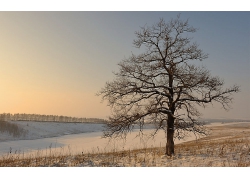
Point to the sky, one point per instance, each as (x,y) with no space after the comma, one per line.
(55,62)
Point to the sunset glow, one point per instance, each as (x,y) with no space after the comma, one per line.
(56,62)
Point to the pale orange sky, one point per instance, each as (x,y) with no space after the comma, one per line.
(55,62)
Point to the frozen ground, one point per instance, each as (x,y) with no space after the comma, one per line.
(44,135)
(38,130)
(227,145)
(73,138)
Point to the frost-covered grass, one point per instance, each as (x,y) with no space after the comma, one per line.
(227,145)
(229,153)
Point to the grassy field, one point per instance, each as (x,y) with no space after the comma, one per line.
(226,146)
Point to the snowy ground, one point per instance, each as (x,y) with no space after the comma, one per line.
(38,130)
(73,138)
(227,145)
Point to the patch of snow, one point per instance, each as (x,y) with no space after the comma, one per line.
(44,137)
(74,138)
(39,130)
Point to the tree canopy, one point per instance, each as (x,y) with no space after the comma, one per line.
(164,85)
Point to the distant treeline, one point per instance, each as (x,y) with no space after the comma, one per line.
(52,118)
(208,121)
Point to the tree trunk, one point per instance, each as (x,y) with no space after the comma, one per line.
(170,137)
(170,142)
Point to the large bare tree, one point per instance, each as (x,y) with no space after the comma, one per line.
(164,85)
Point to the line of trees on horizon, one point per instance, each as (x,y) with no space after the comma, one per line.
(49,118)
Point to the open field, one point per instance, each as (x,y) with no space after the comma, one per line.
(227,145)
(28,130)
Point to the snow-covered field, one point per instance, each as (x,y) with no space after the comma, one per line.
(38,130)
(41,137)
(227,145)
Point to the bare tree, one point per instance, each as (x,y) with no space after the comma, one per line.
(164,85)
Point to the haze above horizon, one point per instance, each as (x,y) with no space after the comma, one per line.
(55,62)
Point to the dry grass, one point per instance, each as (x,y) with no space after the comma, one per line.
(11,129)
(233,150)
(198,153)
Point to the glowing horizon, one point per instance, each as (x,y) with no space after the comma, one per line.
(55,62)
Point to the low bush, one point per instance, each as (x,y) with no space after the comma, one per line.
(12,129)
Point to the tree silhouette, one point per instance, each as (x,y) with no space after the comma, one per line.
(164,85)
